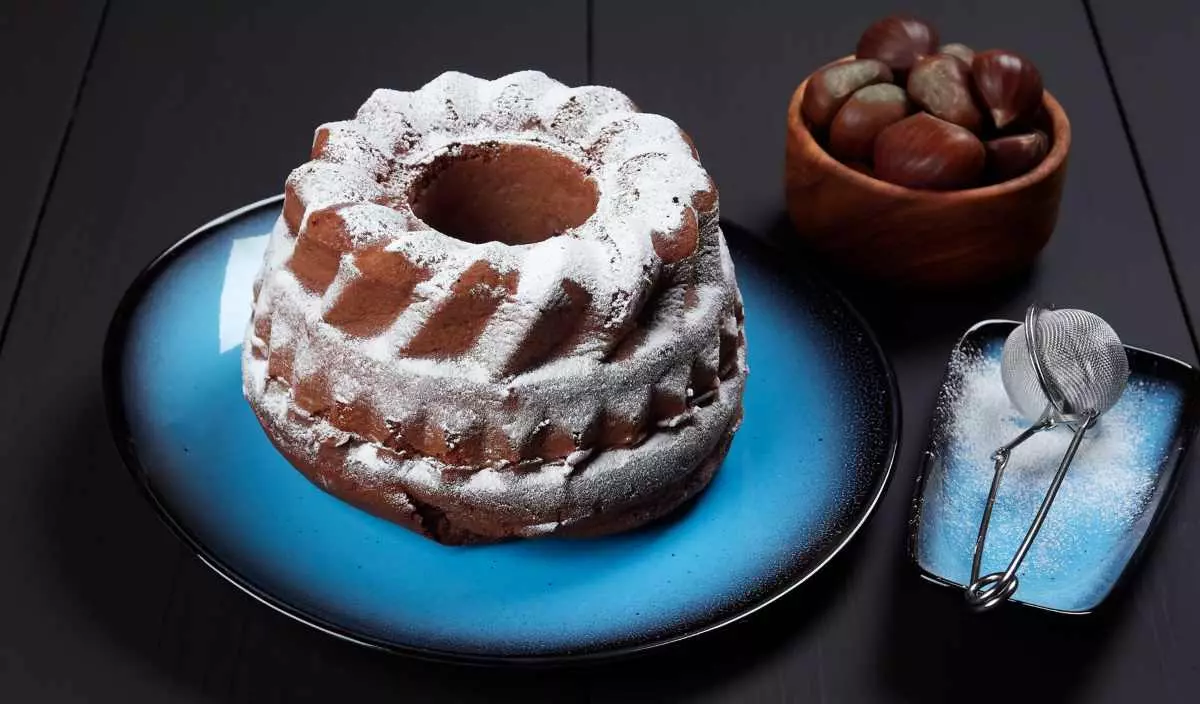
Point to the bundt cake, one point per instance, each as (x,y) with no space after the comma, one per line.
(500,308)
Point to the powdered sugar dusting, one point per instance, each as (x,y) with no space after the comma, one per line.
(644,168)
(568,492)
(647,178)
(1111,473)
(1104,492)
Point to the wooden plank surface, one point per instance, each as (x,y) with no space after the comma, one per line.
(191,111)
(1151,48)
(869,630)
(44,49)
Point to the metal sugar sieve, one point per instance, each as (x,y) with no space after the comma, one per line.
(1060,367)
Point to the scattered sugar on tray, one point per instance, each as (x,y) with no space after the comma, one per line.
(1104,490)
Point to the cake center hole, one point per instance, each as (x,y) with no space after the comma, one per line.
(510,193)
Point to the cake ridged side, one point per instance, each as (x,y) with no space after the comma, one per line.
(372,328)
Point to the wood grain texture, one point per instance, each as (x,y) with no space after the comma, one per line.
(189,112)
(926,239)
(44,48)
(193,111)
(867,629)
(1151,50)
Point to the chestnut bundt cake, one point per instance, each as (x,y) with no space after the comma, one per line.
(500,308)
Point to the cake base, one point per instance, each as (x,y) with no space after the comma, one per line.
(445,519)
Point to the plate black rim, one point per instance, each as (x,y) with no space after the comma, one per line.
(114,406)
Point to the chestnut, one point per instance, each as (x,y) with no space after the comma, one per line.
(1009,85)
(962,51)
(1009,157)
(832,86)
(897,41)
(854,128)
(923,151)
(941,84)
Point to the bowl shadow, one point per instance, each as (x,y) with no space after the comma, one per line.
(902,317)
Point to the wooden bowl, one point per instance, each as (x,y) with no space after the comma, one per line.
(927,239)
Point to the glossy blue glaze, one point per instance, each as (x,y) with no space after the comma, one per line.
(805,469)
(1090,536)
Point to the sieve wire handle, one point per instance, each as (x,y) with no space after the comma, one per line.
(991,590)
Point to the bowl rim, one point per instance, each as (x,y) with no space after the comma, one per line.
(801,135)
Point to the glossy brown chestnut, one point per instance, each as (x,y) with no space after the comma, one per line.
(941,84)
(833,85)
(923,151)
(962,51)
(1009,157)
(863,117)
(1009,85)
(897,41)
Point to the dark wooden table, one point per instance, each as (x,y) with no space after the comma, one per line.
(129,123)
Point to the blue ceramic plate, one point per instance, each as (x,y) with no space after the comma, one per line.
(1114,493)
(804,472)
